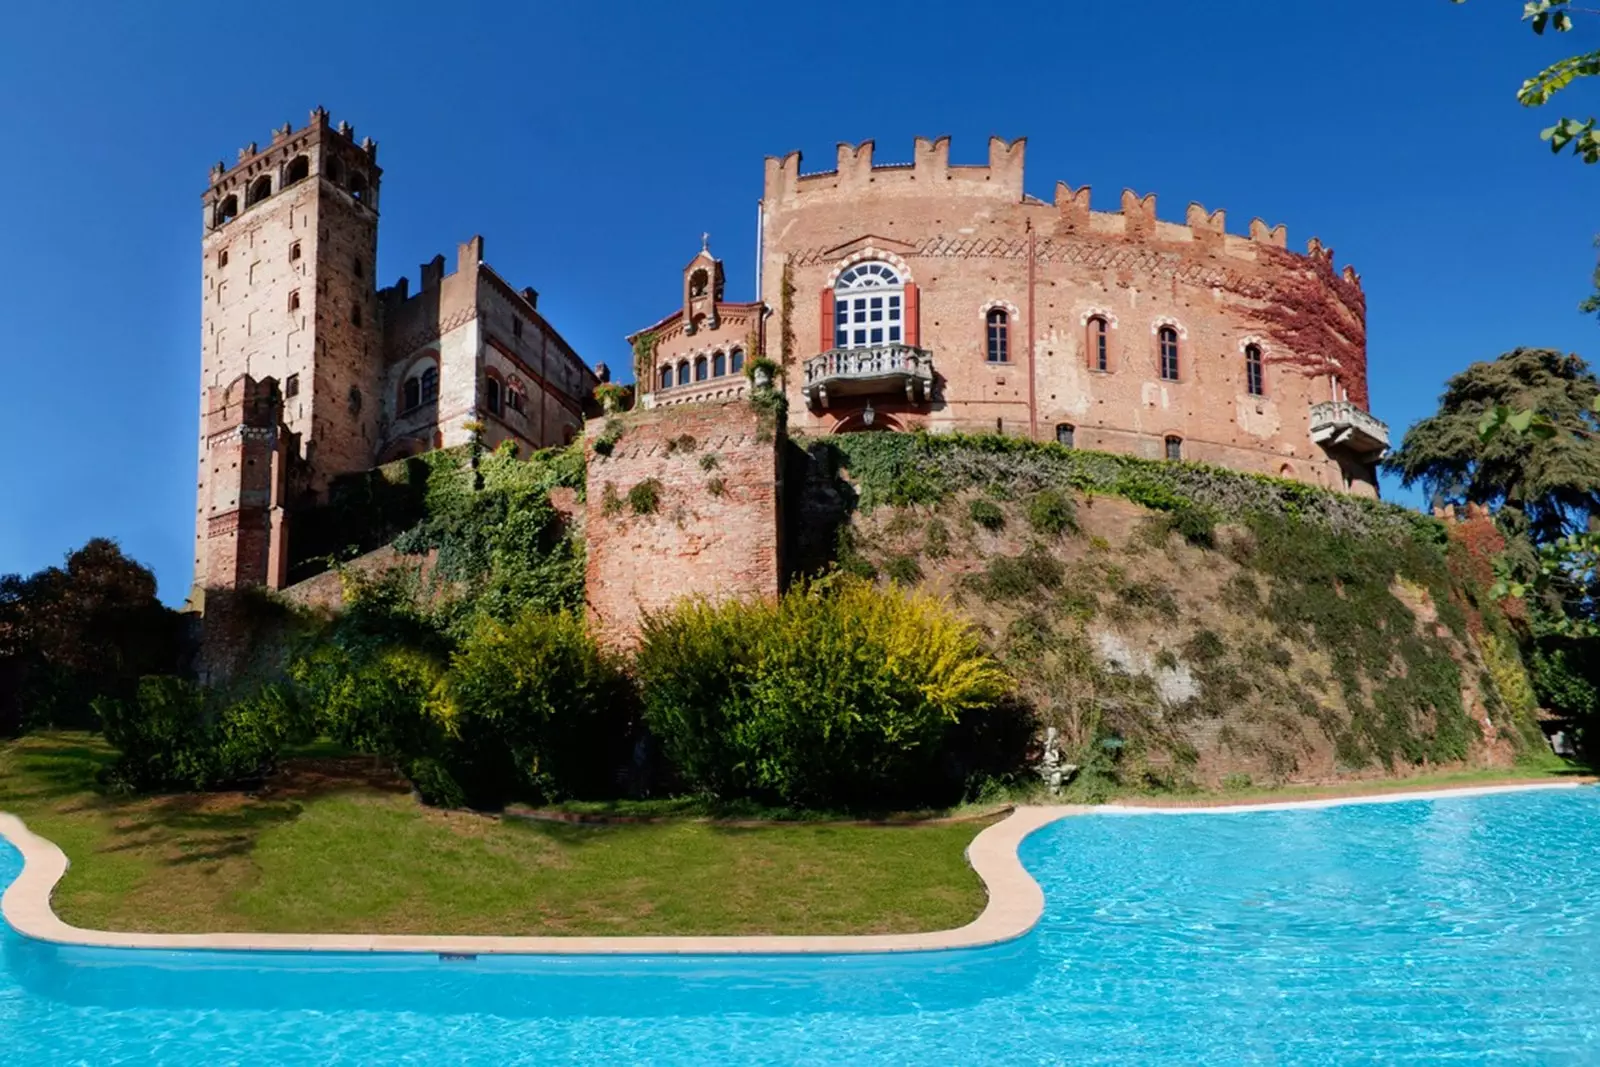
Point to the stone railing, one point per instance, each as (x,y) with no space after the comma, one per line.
(712,390)
(870,371)
(1341,423)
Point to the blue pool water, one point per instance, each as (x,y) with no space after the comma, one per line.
(1456,931)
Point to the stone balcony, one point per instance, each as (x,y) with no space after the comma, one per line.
(879,371)
(720,390)
(1340,424)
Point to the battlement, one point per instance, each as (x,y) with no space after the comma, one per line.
(243,404)
(930,172)
(280,136)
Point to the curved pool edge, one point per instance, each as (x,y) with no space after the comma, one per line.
(1015,904)
(1014,907)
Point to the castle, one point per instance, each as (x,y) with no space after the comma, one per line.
(924,295)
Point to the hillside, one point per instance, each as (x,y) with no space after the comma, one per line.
(1179,625)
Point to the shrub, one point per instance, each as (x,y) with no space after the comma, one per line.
(987,513)
(1018,577)
(645,498)
(936,539)
(717,487)
(532,710)
(1196,526)
(840,693)
(903,569)
(1051,513)
(174,735)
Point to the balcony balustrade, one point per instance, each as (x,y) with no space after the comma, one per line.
(881,370)
(1340,424)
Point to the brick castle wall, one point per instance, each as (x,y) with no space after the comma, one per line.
(715,530)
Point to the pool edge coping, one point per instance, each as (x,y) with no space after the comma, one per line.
(1015,900)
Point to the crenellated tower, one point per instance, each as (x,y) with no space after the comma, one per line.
(289,252)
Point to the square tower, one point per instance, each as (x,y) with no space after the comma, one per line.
(289,252)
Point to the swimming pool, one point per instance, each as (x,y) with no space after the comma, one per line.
(1463,929)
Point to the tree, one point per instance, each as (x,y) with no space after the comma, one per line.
(70,634)
(1548,480)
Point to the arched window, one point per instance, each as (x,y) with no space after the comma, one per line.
(430,384)
(1254,381)
(411,395)
(516,396)
(1174,447)
(294,300)
(683,372)
(698,282)
(666,376)
(719,364)
(999,335)
(298,170)
(1167,340)
(700,368)
(868,307)
(1099,344)
(1065,433)
(736,360)
(227,210)
(260,189)
(358,186)
(492,395)
(333,170)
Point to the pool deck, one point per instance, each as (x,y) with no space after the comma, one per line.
(1015,900)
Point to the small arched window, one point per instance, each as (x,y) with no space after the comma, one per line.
(516,397)
(260,189)
(430,385)
(294,300)
(333,170)
(700,368)
(227,210)
(299,169)
(868,306)
(1167,341)
(719,364)
(1065,433)
(698,282)
(492,395)
(1254,380)
(999,324)
(736,360)
(683,373)
(666,377)
(1174,447)
(358,186)
(1099,344)
(411,395)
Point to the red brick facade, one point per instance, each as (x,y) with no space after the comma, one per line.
(714,530)
(1002,294)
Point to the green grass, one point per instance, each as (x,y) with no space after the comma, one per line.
(336,846)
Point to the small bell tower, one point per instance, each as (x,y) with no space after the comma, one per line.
(702,289)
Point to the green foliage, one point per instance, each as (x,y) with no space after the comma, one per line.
(1400,682)
(900,469)
(1566,677)
(531,710)
(1549,482)
(644,356)
(936,539)
(684,442)
(172,735)
(645,497)
(1015,578)
(610,434)
(839,694)
(613,397)
(709,461)
(717,487)
(903,569)
(90,628)
(987,513)
(1051,513)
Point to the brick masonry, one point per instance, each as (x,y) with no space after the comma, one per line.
(714,533)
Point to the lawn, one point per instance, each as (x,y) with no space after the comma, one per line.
(336,846)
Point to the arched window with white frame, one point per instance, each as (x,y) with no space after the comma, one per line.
(868,306)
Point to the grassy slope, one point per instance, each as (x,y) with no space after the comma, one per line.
(329,849)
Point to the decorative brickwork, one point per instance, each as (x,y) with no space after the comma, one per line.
(965,239)
(713,528)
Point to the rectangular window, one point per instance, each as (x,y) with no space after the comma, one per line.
(222,258)
(1174,448)
(877,335)
(294,251)
(516,327)
(291,386)
(294,300)
(894,335)
(1064,435)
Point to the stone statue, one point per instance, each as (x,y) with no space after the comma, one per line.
(1054,772)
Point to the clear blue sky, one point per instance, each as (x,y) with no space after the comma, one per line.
(592,143)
